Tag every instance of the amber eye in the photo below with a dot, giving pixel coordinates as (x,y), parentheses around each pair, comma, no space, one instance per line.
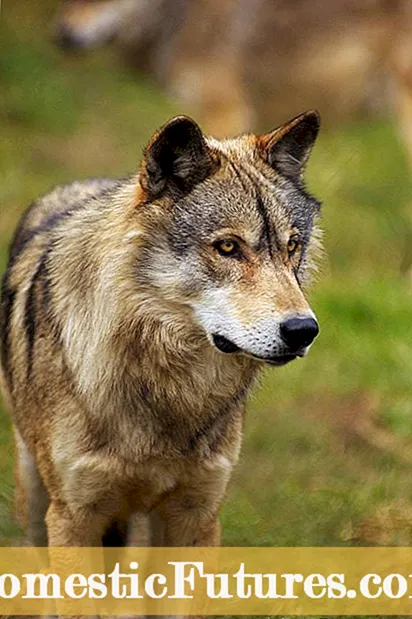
(293,244)
(227,247)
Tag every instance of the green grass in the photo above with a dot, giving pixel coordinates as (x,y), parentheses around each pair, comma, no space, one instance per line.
(327,454)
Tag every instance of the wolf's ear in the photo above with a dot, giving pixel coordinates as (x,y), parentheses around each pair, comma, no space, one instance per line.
(177,158)
(288,147)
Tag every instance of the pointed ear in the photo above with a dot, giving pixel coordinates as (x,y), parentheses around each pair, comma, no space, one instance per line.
(288,147)
(177,158)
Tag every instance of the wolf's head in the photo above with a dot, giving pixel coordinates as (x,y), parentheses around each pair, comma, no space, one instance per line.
(230,229)
(85,24)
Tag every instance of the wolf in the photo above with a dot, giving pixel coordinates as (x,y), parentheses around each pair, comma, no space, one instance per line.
(136,315)
(274,57)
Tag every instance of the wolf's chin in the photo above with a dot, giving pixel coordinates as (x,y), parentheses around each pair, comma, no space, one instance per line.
(279,361)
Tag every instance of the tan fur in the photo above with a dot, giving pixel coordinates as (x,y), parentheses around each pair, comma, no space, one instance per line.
(121,403)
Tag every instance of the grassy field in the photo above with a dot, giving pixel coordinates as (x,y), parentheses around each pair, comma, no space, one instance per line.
(327,457)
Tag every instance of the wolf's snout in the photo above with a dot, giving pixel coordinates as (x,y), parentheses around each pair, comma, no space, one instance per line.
(298,333)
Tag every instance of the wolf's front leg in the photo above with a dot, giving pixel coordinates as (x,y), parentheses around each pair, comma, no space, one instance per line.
(70,528)
(190,527)
(189,515)
(67,527)
(186,518)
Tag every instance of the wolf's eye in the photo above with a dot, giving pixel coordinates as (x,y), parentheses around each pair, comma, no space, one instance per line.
(293,244)
(227,247)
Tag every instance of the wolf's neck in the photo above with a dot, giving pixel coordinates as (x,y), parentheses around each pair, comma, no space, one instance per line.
(164,364)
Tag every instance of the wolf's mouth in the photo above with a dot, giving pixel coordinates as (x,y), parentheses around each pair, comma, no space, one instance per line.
(225,345)
(228,347)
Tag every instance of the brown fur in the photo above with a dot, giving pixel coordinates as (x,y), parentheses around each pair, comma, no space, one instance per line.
(120,401)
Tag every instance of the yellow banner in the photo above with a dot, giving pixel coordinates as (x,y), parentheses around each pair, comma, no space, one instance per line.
(206,581)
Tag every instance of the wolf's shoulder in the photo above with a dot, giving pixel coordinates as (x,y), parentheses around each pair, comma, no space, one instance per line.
(64,198)
(76,190)
(47,211)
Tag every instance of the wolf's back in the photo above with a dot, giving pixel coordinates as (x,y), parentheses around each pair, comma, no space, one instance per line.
(24,285)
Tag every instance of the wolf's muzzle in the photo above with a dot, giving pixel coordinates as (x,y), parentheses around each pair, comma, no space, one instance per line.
(297,334)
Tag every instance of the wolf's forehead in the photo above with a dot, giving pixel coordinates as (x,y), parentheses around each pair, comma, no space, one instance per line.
(285,201)
(237,192)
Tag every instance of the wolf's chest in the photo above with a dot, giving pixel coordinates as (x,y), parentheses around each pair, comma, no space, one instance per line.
(125,488)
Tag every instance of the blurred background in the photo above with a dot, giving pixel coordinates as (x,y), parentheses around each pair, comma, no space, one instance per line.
(327,456)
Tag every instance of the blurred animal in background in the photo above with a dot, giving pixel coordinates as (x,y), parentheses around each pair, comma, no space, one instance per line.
(142,29)
(239,63)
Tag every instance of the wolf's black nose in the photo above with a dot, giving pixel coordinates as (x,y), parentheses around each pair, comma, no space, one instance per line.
(299,332)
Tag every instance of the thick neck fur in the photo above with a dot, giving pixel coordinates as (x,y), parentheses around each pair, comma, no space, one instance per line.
(130,348)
